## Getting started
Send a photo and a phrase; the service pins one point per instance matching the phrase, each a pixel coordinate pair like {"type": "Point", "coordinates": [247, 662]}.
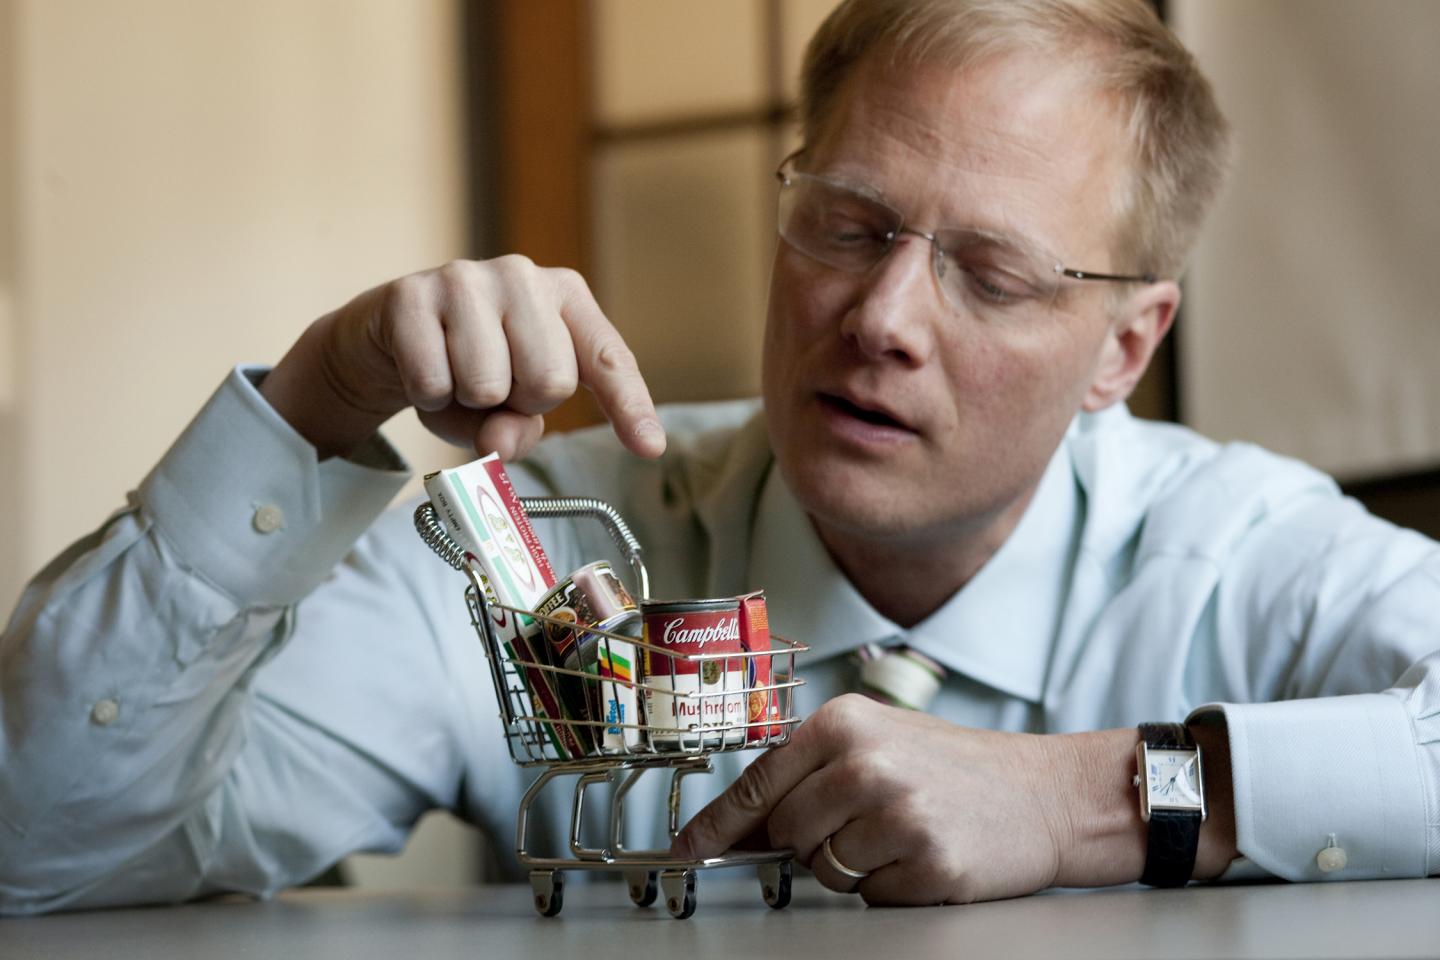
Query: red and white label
{"type": "Point", "coordinates": [715, 687]}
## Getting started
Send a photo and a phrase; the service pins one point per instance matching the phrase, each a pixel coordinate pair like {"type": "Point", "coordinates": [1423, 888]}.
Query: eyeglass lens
{"type": "Point", "coordinates": [845, 229]}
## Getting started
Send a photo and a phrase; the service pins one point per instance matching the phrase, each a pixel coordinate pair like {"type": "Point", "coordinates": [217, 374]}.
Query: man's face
{"type": "Point", "coordinates": [894, 414]}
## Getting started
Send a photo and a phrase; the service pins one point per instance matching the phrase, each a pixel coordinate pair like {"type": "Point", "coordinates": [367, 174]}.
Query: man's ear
{"type": "Point", "coordinates": [1143, 321]}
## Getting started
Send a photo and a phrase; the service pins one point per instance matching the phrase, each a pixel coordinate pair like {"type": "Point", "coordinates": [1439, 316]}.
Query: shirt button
{"type": "Point", "coordinates": [268, 518]}
{"type": "Point", "coordinates": [105, 712]}
{"type": "Point", "coordinates": [1331, 859]}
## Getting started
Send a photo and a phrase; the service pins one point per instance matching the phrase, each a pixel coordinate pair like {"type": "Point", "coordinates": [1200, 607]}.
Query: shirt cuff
{"type": "Point", "coordinates": [1336, 771]}
{"type": "Point", "coordinates": [245, 503]}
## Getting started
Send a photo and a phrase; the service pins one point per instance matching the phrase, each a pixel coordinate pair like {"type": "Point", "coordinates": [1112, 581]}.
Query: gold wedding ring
{"type": "Point", "coordinates": [840, 867]}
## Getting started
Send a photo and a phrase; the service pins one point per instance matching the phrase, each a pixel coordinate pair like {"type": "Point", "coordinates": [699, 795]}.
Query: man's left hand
{"type": "Point", "coordinates": [934, 812]}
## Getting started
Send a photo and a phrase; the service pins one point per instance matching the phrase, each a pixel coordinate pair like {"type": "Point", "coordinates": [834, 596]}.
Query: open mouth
{"type": "Point", "coordinates": [876, 417]}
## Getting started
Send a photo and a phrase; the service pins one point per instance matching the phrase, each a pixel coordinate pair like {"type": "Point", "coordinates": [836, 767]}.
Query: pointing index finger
{"type": "Point", "coordinates": [608, 369]}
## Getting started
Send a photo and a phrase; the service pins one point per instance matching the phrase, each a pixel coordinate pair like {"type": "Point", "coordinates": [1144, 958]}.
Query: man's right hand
{"type": "Point", "coordinates": [481, 349]}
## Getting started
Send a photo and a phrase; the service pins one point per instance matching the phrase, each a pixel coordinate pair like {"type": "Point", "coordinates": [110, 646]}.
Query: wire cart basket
{"type": "Point", "coordinates": [538, 738]}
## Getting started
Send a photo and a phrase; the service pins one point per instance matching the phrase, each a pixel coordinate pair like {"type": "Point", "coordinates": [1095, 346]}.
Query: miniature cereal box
{"type": "Point", "coordinates": [479, 507]}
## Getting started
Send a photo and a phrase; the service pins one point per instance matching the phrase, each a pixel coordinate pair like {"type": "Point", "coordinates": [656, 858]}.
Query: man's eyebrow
{"type": "Point", "coordinates": [997, 237]}
{"type": "Point", "coordinates": [839, 180]}
{"type": "Point", "coordinates": [1005, 242]}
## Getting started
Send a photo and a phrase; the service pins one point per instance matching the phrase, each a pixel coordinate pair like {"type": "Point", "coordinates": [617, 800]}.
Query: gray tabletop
{"type": "Point", "coordinates": [1397, 918]}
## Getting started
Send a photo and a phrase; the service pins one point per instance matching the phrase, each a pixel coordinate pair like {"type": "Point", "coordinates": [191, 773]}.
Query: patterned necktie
{"type": "Point", "coordinates": [899, 676]}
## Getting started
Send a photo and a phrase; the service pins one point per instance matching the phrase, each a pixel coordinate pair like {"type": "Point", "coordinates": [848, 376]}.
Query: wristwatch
{"type": "Point", "coordinates": [1172, 802]}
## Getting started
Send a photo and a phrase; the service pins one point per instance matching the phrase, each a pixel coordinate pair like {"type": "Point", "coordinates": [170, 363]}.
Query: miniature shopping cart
{"type": "Point", "coordinates": [534, 740]}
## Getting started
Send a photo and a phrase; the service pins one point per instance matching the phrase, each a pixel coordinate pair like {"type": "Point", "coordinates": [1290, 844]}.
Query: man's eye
{"type": "Point", "coordinates": [998, 286]}
{"type": "Point", "coordinates": [848, 231]}
{"type": "Point", "coordinates": [851, 238]}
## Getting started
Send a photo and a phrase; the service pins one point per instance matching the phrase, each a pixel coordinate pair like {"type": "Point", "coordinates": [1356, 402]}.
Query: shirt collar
{"type": "Point", "coordinates": [808, 598]}
{"type": "Point", "coordinates": [999, 629]}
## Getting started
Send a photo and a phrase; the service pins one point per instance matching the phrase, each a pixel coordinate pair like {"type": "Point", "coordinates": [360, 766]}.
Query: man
{"type": "Point", "coordinates": [978, 246]}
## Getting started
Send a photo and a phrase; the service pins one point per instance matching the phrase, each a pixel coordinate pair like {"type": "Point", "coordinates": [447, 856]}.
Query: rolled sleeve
{"type": "Point", "coordinates": [243, 500]}
{"type": "Point", "coordinates": [1342, 771]}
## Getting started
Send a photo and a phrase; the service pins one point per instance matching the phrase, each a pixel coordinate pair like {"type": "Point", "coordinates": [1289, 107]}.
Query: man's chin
{"type": "Point", "coordinates": [859, 503]}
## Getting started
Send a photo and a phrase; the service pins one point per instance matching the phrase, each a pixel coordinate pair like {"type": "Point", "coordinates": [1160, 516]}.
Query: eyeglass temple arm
{"type": "Point", "coordinates": [1117, 277]}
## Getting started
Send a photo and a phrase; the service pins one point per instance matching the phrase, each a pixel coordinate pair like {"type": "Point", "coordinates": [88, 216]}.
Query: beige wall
{"type": "Point", "coordinates": [658, 59]}
{"type": "Point", "coordinates": [189, 184]}
{"type": "Point", "coordinates": [683, 212]}
{"type": "Point", "coordinates": [184, 184]}
{"type": "Point", "coordinates": [1311, 320]}
{"type": "Point", "coordinates": [10, 552]}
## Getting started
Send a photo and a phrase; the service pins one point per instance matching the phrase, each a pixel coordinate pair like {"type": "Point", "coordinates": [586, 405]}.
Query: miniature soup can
{"type": "Point", "coordinates": [685, 643]}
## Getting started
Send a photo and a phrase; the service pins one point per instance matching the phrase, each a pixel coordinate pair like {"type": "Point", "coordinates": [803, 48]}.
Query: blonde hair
{"type": "Point", "coordinates": [1179, 141]}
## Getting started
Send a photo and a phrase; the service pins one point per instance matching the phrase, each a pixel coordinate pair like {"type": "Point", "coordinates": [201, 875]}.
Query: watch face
{"type": "Point", "coordinates": [1173, 779]}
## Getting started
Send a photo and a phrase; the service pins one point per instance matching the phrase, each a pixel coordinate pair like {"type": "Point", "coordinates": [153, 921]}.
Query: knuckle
{"type": "Point", "coordinates": [842, 717]}
{"type": "Point", "coordinates": [481, 392]}
{"type": "Point", "coordinates": [571, 286]}
{"type": "Point", "coordinates": [613, 356]}
{"type": "Point", "coordinates": [552, 382]}
{"type": "Point", "coordinates": [428, 386]}
{"type": "Point", "coordinates": [466, 286]}
{"type": "Point", "coordinates": [405, 295]}
{"type": "Point", "coordinates": [851, 707]}
{"type": "Point", "coordinates": [909, 822]}
{"type": "Point", "coordinates": [513, 265]}
{"type": "Point", "coordinates": [751, 792]}
{"type": "Point", "coordinates": [569, 279]}
{"type": "Point", "coordinates": [868, 773]}
{"type": "Point", "coordinates": [457, 271]}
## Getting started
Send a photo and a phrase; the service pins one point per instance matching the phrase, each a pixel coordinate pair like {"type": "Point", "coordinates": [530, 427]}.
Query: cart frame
{"type": "Point", "coordinates": [530, 736]}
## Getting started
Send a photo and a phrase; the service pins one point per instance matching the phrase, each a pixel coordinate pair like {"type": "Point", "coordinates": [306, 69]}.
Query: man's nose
{"type": "Point", "coordinates": [897, 303]}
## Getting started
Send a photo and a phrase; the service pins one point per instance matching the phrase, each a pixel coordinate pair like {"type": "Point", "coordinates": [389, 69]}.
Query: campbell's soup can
{"type": "Point", "coordinates": [712, 706]}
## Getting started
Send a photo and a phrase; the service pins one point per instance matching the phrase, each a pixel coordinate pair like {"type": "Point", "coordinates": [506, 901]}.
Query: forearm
{"type": "Point", "coordinates": [120, 718]}
{"type": "Point", "coordinates": [1103, 839]}
{"type": "Point", "coordinates": [123, 674]}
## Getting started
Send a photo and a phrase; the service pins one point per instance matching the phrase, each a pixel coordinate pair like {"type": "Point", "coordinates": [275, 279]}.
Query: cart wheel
{"type": "Point", "coordinates": [679, 887]}
{"type": "Point", "coordinates": [549, 887]}
{"type": "Point", "coordinates": [775, 883]}
{"type": "Point", "coordinates": [642, 886]}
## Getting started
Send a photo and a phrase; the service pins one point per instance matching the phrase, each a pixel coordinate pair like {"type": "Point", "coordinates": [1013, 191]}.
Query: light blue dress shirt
{"type": "Point", "coordinates": [254, 669]}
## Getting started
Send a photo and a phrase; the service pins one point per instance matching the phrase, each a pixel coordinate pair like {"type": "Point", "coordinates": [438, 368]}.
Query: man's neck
{"type": "Point", "coordinates": [907, 578]}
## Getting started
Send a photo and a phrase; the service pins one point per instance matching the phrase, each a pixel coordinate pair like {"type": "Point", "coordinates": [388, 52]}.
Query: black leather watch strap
{"type": "Point", "coordinates": [1170, 850]}
{"type": "Point", "coordinates": [1166, 736]}
{"type": "Point", "coordinates": [1174, 835]}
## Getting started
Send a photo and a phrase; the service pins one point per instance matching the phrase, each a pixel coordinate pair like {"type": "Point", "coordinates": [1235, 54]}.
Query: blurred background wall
{"type": "Point", "coordinates": [185, 184]}
{"type": "Point", "coordinates": [1315, 301]}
